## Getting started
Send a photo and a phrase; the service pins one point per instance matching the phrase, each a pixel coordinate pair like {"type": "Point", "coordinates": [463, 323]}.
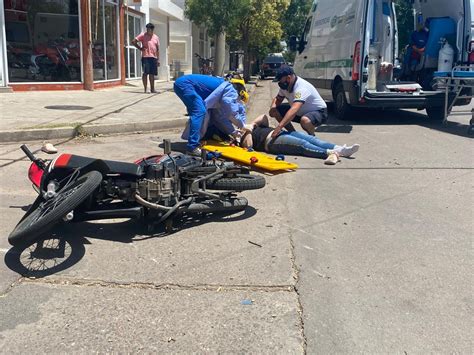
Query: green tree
{"type": "Point", "coordinates": [218, 16]}
{"type": "Point", "coordinates": [294, 17]}
{"type": "Point", "coordinates": [259, 28]}
{"type": "Point", "coordinates": [404, 21]}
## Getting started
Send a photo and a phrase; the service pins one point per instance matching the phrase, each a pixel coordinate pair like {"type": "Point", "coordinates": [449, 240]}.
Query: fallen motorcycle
{"type": "Point", "coordinates": [157, 188]}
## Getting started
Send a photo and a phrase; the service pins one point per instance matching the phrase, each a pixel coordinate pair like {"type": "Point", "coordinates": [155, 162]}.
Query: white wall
{"type": "Point", "coordinates": [3, 48]}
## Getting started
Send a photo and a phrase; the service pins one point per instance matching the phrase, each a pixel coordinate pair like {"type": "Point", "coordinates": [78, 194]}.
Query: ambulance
{"type": "Point", "coordinates": [349, 51]}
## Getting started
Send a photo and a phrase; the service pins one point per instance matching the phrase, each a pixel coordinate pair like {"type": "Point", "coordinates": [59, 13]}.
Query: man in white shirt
{"type": "Point", "coordinates": [305, 105]}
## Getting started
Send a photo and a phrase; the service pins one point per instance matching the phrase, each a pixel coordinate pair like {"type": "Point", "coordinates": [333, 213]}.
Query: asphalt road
{"type": "Point", "coordinates": [372, 255]}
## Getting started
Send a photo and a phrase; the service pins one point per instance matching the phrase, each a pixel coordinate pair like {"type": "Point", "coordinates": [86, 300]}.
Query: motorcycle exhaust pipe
{"type": "Point", "coordinates": [134, 213]}
{"type": "Point", "coordinates": [232, 205]}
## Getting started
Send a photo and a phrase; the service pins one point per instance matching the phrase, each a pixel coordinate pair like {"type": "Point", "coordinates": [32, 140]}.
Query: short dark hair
{"type": "Point", "coordinates": [150, 25]}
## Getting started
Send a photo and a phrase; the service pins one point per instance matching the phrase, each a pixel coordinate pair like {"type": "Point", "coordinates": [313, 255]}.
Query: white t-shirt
{"type": "Point", "coordinates": [304, 92]}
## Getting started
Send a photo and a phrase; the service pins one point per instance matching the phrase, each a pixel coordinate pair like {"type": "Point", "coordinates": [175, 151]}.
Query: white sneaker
{"type": "Point", "coordinates": [48, 148]}
{"type": "Point", "coordinates": [348, 151]}
{"type": "Point", "coordinates": [195, 152]}
{"type": "Point", "coordinates": [332, 159]}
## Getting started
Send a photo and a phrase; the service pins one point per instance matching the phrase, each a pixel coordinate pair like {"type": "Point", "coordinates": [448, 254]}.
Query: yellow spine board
{"type": "Point", "coordinates": [253, 158]}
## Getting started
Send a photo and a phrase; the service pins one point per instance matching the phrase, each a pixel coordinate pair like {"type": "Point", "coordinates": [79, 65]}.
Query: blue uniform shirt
{"type": "Point", "coordinates": [228, 109]}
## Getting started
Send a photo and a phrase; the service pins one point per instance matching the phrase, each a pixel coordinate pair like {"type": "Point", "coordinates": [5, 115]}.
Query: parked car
{"type": "Point", "coordinates": [271, 64]}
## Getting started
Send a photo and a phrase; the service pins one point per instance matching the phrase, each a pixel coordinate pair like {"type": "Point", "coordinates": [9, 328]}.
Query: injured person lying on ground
{"type": "Point", "coordinates": [258, 135]}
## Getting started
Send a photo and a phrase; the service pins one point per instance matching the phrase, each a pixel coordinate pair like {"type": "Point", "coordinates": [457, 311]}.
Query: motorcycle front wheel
{"type": "Point", "coordinates": [49, 212]}
{"type": "Point", "coordinates": [240, 182]}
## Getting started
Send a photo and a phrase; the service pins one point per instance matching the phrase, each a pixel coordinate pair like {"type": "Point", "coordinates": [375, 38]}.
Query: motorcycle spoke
{"type": "Point", "coordinates": [52, 204]}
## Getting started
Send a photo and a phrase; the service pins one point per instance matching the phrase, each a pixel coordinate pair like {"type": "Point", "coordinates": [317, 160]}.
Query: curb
{"type": "Point", "coordinates": [95, 129]}
{"type": "Point", "coordinates": [71, 132]}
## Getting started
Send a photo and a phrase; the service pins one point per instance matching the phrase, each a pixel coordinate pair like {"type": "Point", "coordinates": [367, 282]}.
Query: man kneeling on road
{"type": "Point", "coordinates": [200, 94]}
{"type": "Point", "coordinates": [305, 104]}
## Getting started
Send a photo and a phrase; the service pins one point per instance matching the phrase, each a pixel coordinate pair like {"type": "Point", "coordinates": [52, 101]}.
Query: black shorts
{"type": "Point", "coordinates": [317, 117]}
{"type": "Point", "coordinates": [150, 66]}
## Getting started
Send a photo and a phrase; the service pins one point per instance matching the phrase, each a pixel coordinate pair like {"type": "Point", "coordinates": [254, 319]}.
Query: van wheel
{"type": "Point", "coordinates": [435, 114]}
{"type": "Point", "coordinates": [341, 107]}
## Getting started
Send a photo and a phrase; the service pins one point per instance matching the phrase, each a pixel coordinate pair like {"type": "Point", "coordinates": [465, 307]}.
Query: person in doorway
{"type": "Point", "coordinates": [259, 136]}
{"type": "Point", "coordinates": [150, 48]}
{"type": "Point", "coordinates": [418, 41]}
{"type": "Point", "coordinates": [413, 60]}
{"type": "Point", "coordinates": [305, 105]}
{"type": "Point", "coordinates": [201, 93]}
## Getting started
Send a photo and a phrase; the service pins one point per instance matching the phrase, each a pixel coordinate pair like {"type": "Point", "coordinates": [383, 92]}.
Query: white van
{"type": "Point", "coordinates": [349, 50]}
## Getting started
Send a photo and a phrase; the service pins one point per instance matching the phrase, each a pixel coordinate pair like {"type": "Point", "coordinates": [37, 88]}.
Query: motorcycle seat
{"type": "Point", "coordinates": [114, 167]}
{"type": "Point", "coordinates": [118, 167]}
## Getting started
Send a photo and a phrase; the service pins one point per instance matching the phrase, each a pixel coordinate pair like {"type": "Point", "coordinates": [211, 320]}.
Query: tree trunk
{"type": "Point", "coordinates": [246, 61]}
{"type": "Point", "coordinates": [219, 60]}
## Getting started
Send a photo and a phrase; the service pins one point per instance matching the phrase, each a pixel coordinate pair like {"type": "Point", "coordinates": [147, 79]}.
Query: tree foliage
{"type": "Point", "coordinates": [217, 15]}
{"type": "Point", "coordinates": [294, 18]}
{"type": "Point", "coordinates": [258, 28]}
{"type": "Point", "coordinates": [404, 21]}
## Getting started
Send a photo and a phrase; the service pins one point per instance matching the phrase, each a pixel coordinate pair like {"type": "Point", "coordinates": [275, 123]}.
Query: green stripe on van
{"type": "Point", "coordinates": [340, 63]}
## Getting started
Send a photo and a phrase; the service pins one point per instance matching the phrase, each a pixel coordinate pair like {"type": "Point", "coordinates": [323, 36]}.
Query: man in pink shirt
{"type": "Point", "coordinates": [150, 47]}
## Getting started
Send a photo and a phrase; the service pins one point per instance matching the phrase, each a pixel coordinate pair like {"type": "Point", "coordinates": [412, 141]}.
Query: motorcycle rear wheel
{"type": "Point", "coordinates": [49, 212]}
{"type": "Point", "coordinates": [240, 182]}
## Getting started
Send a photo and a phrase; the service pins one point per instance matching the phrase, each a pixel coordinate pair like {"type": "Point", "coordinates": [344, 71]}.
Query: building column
{"type": "Point", "coordinates": [164, 69]}
{"type": "Point", "coordinates": [3, 50]}
{"type": "Point", "coordinates": [88, 74]}
{"type": "Point", "coordinates": [122, 19]}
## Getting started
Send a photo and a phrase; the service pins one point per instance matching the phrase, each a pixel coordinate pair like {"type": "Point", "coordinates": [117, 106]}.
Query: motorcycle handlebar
{"type": "Point", "coordinates": [28, 153]}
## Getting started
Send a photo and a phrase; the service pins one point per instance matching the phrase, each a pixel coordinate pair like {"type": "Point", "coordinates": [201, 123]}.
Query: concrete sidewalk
{"type": "Point", "coordinates": [44, 115]}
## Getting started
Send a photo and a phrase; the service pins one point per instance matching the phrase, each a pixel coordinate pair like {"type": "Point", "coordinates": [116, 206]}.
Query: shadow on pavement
{"type": "Point", "coordinates": [48, 256]}
{"type": "Point", "coordinates": [65, 246]}
{"type": "Point", "coordinates": [394, 117]}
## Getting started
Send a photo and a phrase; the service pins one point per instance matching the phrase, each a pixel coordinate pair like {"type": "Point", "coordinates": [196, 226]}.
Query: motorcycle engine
{"type": "Point", "coordinates": [161, 185]}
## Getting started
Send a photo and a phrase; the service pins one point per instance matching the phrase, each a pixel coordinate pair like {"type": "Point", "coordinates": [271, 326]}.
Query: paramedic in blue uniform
{"type": "Point", "coordinates": [201, 93]}
{"type": "Point", "coordinates": [418, 41]}
{"type": "Point", "coordinates": [305, 105]}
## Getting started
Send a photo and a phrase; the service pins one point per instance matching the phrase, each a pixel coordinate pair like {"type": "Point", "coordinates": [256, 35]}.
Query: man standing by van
{"type": "Point", "coordinates": [150, 47]}
{"type": "Point", "coordinates": [305, 105]}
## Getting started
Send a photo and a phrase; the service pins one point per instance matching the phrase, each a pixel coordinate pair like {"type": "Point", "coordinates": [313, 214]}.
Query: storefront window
{"type": "Point", "coordinates": [104, 31]}
{"type": "Point", "coordinates": [43, 40]}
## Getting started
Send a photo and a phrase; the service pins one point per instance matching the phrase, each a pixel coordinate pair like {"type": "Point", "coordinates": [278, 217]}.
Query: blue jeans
{"type": "Point", "coordinates": [298, 143]}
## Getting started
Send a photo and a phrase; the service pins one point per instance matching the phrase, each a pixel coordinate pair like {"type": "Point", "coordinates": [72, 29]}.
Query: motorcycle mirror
{"type": "Point", "coordinates": [167, 146]}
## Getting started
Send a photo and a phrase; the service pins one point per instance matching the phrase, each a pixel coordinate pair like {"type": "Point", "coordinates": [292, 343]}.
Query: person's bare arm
{"type": "Point", "coordinates": [135, 44]}
{"type": "Point", "coordinates": [246, 141]}
{"type": "Point", "coordinates": [288, 118]}
{"type": "Point", "coordinates": [261, 121]}
{"type": "Point", "coordinates": [275, 102]}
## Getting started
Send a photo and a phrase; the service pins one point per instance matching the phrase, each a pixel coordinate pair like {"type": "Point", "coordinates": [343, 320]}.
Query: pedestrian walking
{"type": "Point", "coordinates": [149, 44]}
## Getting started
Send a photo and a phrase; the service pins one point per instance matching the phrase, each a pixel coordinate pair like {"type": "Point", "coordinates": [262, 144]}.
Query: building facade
{"type": "Point", "coordinates": [78, 44]}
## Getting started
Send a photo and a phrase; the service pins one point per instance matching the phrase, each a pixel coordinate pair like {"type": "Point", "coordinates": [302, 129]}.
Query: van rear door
{"type": "Point", "coordinates": [368, 20]}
